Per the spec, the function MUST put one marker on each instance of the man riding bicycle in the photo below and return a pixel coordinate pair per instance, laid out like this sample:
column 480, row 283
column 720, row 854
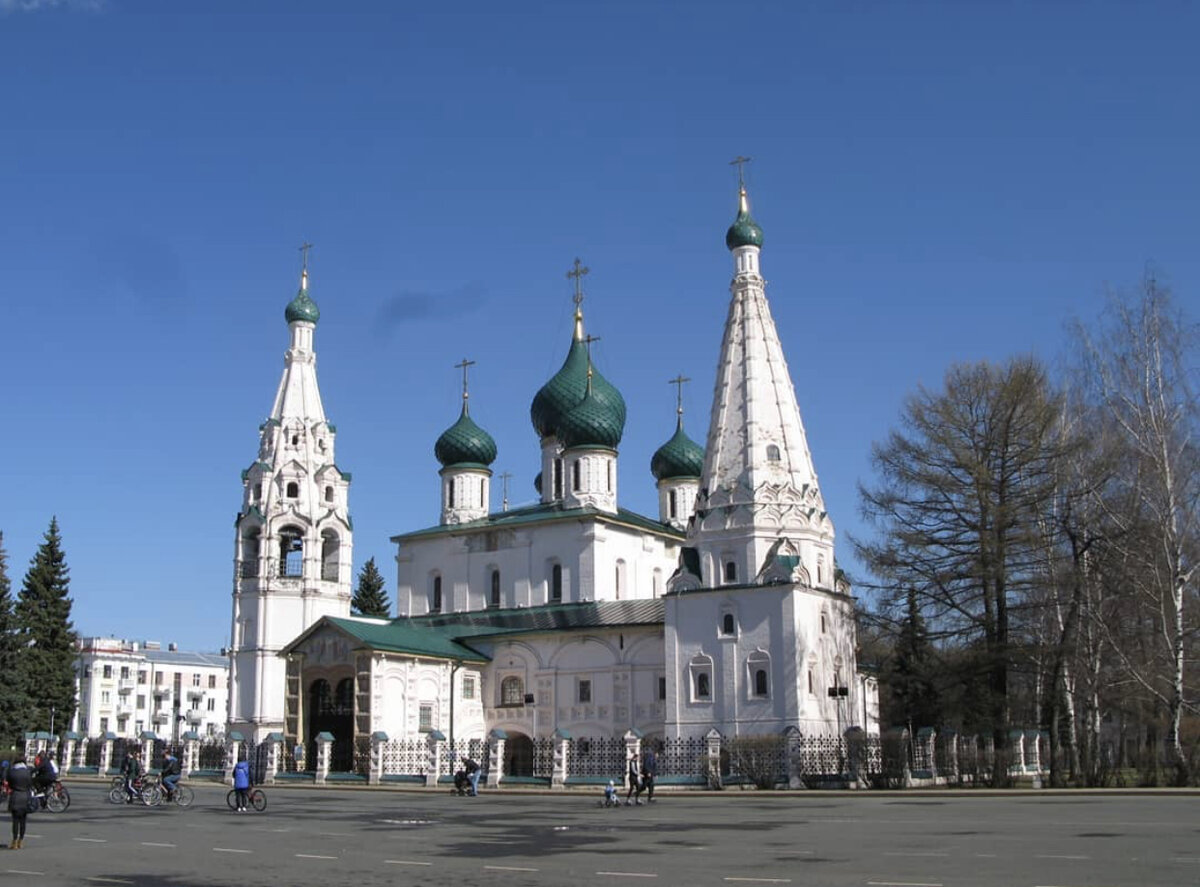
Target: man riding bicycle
column 171, row 771
column 45, row 773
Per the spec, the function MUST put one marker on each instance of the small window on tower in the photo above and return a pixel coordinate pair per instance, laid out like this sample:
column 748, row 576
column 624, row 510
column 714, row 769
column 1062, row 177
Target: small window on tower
column 295, row 440
column 293, row 490
column 730, row 571
column 772, row 453
column 495, row 600
column 575, row 476
column 329, row 494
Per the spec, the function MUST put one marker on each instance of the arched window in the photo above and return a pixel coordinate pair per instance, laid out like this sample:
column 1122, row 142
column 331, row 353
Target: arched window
column 672, row 505
column 824, row 622
column 619, row 579
column 702, row 686
column 250, row 547
column 575, row 475
column 556, row 582
column 328, row 494
column 730, row 571
column 772, row 453
column 610, row 476
column 450, row 493
column 760, row 682
column 495, row 598
column 293, row 490
column 330, row 547
column 811, row 682
column 820, row 569
column 558, row 478
column 435, row 600
column 512, row 691
column 727, row 626
column 291, row 551
column 701, row 678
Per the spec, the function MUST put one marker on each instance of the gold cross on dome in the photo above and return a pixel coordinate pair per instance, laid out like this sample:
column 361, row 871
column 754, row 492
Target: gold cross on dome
column 577, row 272
column 678, row 383
column 740, row 162
column 304, row 248
column 463, row 366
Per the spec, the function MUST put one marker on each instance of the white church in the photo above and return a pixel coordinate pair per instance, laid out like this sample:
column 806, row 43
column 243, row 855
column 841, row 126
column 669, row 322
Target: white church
column 725, row 611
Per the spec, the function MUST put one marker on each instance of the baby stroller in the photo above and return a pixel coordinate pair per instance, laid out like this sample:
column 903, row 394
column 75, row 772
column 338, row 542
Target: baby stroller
column 461, row 784
column 610, row 796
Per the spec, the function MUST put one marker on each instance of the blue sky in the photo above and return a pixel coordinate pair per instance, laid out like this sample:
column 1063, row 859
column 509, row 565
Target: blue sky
column 937, row 182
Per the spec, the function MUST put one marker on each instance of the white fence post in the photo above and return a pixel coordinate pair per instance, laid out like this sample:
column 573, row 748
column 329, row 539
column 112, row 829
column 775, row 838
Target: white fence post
column 496, row 740
column 324, row 752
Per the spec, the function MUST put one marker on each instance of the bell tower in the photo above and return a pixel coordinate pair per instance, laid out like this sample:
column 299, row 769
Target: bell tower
column 293, row 536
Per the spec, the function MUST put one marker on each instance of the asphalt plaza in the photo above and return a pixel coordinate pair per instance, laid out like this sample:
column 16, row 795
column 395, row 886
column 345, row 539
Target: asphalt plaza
column 311, row 836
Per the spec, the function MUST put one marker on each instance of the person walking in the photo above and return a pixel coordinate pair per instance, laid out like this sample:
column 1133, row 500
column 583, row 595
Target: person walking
column 241, row 783
column 635, row 782
column 649, row 772
column 472, row 768
column 20, row 784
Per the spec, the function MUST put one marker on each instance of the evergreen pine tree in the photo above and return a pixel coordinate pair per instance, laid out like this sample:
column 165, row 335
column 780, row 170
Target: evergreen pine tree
column 369, row 598
column 48, row 638
column 13, row 711
column 910, row 677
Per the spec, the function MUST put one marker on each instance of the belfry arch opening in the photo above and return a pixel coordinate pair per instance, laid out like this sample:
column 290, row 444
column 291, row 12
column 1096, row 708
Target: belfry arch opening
column 330, row 549
column 291, row 551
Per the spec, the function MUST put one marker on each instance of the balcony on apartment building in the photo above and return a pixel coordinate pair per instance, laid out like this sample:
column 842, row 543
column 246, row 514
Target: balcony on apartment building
column 125, row 685
column 194, row 716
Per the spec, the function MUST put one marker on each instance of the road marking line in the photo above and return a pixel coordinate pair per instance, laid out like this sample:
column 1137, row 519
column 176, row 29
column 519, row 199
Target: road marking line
column 334, row 834
column 763, row 880
column 509, row 868
column 985, row 855
column 313, row 856
column 108, row 880
column 22, row 872
column 913, row 853
column 230, row 850
column 628, row 874
column 155, row 844
column 900, row 884
column 1053, row 856
column 91, row 840
column 405, row 862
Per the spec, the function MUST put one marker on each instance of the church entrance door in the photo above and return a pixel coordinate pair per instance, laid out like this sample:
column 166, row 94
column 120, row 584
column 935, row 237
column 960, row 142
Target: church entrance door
column 518, row 755
column 331, row 711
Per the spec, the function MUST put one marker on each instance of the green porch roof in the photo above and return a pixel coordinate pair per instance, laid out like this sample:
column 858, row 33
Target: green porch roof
column 400, row 636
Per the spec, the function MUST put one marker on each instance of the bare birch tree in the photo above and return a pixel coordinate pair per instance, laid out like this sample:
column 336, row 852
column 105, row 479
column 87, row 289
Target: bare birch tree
column 1142, row 361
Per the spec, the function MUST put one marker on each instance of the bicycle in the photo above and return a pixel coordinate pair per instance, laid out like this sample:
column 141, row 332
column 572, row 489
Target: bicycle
column 182, row 796
column 256, row 797
column 56, row 798
column 145, row 788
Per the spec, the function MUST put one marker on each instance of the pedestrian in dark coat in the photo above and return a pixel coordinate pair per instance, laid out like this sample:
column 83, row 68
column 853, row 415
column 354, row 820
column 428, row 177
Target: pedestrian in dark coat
column 20, row 786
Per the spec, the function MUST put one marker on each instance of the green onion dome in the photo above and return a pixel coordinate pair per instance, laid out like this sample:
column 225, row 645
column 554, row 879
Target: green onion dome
column 302, row 307
column 566, row 389
column 465, row 444
column 679, row 457
column 744, row 231
column 591, row 423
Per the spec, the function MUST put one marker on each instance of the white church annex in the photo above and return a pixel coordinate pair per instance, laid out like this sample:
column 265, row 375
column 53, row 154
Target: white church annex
column 572, row 617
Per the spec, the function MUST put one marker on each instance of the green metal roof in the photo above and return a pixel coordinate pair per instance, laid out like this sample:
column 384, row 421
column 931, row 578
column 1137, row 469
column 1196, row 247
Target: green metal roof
column 679, row 457
column 549, row 617
column 545, row 513
column 744, row 231
column 567, row 388
column 402, row 636
column 465, row 443
column 302, row 308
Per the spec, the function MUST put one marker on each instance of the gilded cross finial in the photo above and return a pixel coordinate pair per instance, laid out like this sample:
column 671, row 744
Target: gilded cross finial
column 304, row 248
column 588, row 340
column 504, row 479
column 463, row 366
column 577, row 272
column 678, row 383
column 740, row 162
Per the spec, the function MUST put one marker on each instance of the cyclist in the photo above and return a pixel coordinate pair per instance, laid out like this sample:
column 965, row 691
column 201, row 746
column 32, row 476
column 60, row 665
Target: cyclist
column 131, row 769
column 171, row 771
column 45, row 773
column 242, row 783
